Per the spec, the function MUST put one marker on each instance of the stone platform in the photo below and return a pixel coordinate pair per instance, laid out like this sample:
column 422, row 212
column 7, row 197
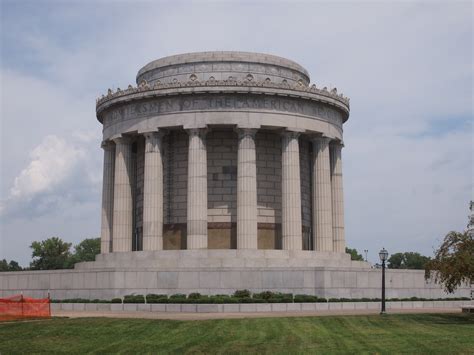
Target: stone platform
column 330, row 275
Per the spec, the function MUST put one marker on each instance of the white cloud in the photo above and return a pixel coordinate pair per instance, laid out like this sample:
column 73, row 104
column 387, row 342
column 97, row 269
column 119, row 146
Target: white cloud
column 51, row 163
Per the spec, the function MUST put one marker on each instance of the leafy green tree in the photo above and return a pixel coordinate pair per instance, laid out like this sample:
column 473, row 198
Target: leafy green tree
column 86, row 250
column 9, row 266
column 51, row 254
column 354, row 254
column 407, row 260
column 453, row 263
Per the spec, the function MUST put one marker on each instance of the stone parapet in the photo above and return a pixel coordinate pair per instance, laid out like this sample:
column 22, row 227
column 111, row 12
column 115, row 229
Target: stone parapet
column 318, row 308
column 100, row 282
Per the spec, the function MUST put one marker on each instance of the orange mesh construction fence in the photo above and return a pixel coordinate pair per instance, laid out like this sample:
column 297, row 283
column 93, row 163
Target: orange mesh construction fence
column 20, row 307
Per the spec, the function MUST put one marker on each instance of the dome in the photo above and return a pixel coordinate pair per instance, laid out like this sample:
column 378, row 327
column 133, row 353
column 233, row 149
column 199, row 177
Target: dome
column 237, row 66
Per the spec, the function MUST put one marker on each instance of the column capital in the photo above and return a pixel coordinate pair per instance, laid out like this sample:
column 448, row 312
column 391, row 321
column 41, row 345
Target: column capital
column 107, row 145
column 246, row 132
column 321, row 139
column 291, row 134
column 153, row 134
column 197, row 131
column 337, row 143
column 122, row 140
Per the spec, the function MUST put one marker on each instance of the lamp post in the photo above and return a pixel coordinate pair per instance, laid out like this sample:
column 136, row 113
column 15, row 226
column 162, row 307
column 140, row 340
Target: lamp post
column 383, row 254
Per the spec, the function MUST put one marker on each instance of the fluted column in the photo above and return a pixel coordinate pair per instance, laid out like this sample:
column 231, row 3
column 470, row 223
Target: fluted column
column 246, row 190
column 153, row 192
column 197, row 190
column 291, row 192
column 339, row 241
column 322, row 200
column 123, row 201
column 107, row 198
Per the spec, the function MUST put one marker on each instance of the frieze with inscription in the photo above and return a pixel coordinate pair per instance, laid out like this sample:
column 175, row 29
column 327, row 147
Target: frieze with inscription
column 221, row 102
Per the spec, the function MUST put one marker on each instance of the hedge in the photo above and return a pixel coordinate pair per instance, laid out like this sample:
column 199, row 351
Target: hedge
column 242, row 296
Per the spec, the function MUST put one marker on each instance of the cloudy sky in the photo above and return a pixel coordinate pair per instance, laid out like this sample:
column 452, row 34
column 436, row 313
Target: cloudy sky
column 406, row 66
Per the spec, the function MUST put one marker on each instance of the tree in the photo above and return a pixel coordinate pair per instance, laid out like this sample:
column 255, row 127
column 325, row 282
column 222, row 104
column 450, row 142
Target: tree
column 9, row 266
column 87, row 250
column 407, row 260
column 354, row 254
column 51, row 254
column 453, row 263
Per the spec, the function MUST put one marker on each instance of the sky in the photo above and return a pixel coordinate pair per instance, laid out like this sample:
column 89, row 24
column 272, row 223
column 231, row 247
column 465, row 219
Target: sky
column 406, row 66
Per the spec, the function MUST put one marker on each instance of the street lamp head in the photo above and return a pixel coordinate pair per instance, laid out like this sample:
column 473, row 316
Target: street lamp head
column 383, row 254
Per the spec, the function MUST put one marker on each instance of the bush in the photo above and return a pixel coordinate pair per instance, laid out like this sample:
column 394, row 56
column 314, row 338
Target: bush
column 116, row 300
column 305, row 298
column 153, row 298
column 194, row 296
column 134, row 299
column 177, row 296
column 265, row 295
column 242, row 294
column 100, row 301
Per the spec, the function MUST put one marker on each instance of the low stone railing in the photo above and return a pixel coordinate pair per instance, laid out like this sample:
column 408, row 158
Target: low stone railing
column 254, row 307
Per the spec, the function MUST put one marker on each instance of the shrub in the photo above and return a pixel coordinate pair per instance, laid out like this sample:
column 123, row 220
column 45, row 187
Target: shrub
column 265, row 295
column 100, row 301
column 134, row 299
column 177, row 296
column 242, row 294
column 305, row 298
column 194, row 296
column 116, row 300
column 153, row 298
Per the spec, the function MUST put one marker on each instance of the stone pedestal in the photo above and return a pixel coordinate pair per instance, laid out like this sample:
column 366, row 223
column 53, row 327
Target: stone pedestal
column 197, row 190
column 291, row 192
column 107, row 198
column 246, row 190
column 322, row 200
column 153, row 193
column 339, row 242
column 123, row 197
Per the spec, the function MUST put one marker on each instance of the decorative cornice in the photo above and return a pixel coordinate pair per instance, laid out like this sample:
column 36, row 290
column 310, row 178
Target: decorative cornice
column 299, row 87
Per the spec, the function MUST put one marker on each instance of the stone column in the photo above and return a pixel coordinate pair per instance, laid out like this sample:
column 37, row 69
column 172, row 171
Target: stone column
column 123, row 197
column 153, row 192
column 246, row 190
column 339, row 241
column 322, row 210
column 197, row 190
column 107, row 198
column 291, row 192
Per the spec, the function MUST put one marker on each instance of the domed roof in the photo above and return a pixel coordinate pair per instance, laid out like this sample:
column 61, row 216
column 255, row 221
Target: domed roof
column 221, row 66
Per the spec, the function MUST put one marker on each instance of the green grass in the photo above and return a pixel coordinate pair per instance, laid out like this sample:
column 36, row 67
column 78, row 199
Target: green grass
column 407, row 333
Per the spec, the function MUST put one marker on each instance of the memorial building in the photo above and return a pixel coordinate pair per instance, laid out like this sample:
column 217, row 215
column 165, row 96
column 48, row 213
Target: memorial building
column 222, row 150
column 222, row 171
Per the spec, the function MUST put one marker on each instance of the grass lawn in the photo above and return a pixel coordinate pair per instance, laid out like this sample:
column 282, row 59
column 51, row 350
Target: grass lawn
column 407, row 333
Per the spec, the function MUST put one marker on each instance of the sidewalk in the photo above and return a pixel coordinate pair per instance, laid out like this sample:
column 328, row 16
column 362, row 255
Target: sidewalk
column 204, row 316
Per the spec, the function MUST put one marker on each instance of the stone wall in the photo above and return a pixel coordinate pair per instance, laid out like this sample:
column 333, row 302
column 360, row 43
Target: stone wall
column 222, row 189
column 329, row 282
column 139, row 163
column 305, row 174
column 268, row 147
column 175, row 186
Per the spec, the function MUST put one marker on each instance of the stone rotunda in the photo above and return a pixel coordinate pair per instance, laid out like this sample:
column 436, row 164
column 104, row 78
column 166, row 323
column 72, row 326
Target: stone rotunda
column 222, row 150
column 222, row 172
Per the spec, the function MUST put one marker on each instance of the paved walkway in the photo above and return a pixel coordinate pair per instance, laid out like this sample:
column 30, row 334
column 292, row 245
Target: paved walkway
column 203, row 316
